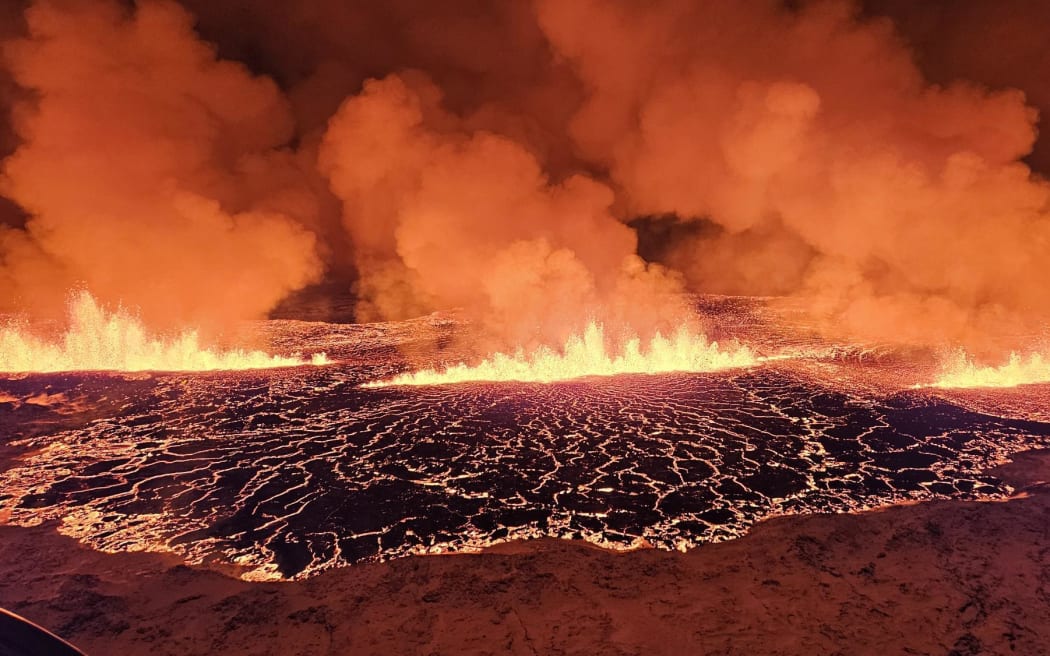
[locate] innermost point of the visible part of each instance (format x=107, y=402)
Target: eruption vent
x=587, y=355
x=97, y=340
x=962, y=371
x=533, y=165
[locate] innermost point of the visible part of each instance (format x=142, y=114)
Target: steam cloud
x=137, y=151
x=494, y=158
x=445, y=217
x=832, y=168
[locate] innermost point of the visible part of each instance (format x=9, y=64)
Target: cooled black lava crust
x=288, y=472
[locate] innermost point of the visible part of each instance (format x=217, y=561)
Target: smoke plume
x=442, y=216
x=831, y=167
x=500, y=158
x=137, y=149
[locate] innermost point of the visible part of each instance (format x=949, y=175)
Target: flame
x=97, y=340
x=962, y=371
x=586, y=355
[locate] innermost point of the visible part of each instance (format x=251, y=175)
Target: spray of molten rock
x=586, y=354
x=962, y=371
x=97, y=340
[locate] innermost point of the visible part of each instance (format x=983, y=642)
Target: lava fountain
x=962, y=371
x=586, y=354
x=97, y=340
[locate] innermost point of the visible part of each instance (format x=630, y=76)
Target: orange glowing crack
x=586, y=354
x=97, y=340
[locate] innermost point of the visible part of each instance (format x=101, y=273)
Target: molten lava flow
x=587, y=355
x=962, y=371
x=97, y=340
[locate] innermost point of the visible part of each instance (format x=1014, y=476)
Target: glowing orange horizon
x=97, y=340
x=586, y=354
x=961, y=371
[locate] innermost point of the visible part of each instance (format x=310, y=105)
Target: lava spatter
x=288, y=472
x=588, y=354
x=99, y=340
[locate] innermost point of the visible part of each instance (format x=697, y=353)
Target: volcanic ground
x=283, y=473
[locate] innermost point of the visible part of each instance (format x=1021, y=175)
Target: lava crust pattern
x=283, y=474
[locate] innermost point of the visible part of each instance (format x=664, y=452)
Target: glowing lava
x=587, y=355
x=97, y=340
x=962, y=371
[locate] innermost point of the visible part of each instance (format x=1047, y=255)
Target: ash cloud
x=496, y=157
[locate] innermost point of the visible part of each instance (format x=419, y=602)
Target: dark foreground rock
x=948, y=577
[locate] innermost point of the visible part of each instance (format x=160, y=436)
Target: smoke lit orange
x=97, y=340
x=588, y=355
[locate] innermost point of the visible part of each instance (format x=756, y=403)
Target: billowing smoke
x=496, y=157
x=442, y=216
x=138, y=153
x=1001, y=44
x=831, y=168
